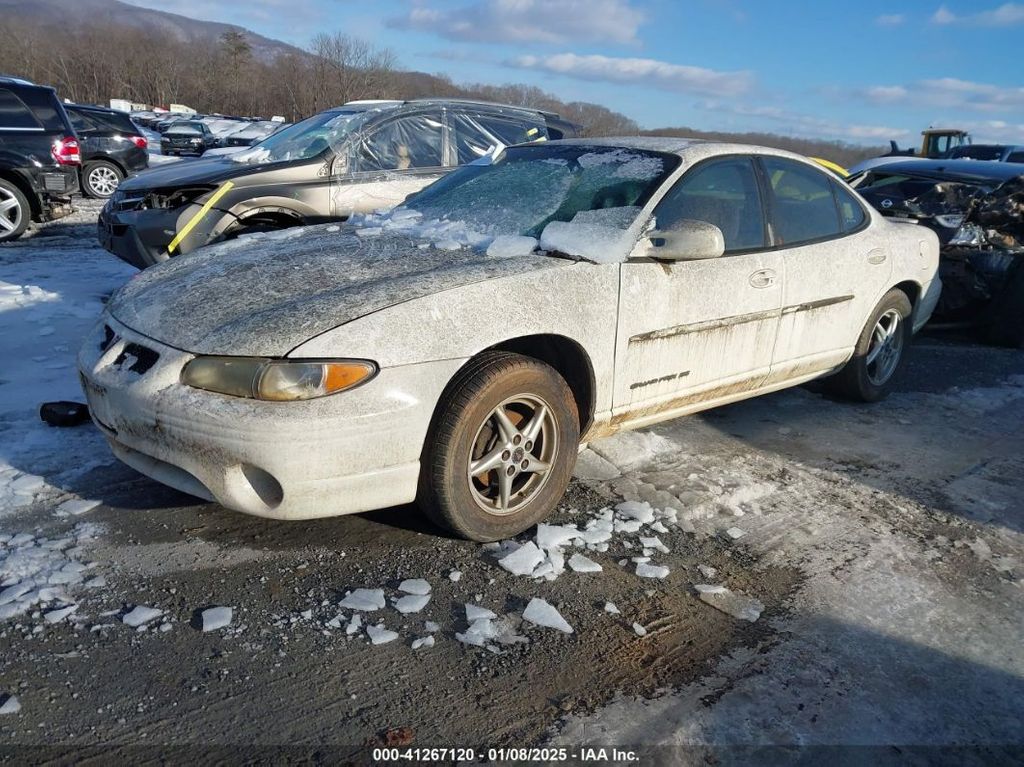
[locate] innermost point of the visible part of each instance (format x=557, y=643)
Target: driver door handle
x=763, y=278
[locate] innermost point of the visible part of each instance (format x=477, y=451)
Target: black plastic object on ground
x=64, y=413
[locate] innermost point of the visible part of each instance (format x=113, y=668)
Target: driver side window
x=720, y=192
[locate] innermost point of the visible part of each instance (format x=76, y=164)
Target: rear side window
x=720, y=192
x=1015, y=157
x=82, y=121
x=14, y=114
x=476, y=134
x=402, y=144
x=851, y=212
x=804, y=207
x=117, y=122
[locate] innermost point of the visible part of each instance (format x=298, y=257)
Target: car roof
x=94, y=108
x=959, y=170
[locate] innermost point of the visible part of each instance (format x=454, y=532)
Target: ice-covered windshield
x=305, y=140
x=191, y=129
x=529, y=187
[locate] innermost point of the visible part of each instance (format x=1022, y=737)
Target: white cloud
x=950, y=92
x=530, y=21
x=808, y=126
x=1006, y=15
x=890, y=19
x=631, y=71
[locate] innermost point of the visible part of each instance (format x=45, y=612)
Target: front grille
x=136, y=358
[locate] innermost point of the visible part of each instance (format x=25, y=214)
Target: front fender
x=578, y=302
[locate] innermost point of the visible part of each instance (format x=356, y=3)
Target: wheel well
x=26, y=189
x=912, y=290
x=278, y=218
x=108, y=160
x=569, y=359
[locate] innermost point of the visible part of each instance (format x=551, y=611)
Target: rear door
x=389, y=161
x=834, y=268
x=477, y=132
x=692, y=332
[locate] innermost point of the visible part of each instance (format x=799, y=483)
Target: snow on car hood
x=207, y=170
x=264, y=295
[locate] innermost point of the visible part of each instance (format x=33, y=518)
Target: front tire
x=100, y=179
x=15, y=212
x=502, y=448
x=880, y=351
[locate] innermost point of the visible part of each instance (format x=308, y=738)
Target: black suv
x=39, y=157
x=112, y=148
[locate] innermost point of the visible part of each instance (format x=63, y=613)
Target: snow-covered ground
x=789, y=570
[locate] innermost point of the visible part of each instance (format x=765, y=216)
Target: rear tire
x=100, y=179
x=1006, y=320
x=879, y=353
x=15, y=212
x=514, y=420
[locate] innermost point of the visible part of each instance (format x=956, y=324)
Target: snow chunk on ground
x=216, y=618
x=654, y=543
x=354, y=624
x=645, y=570
x=524, y=560
x=423, y=642
x=609, y=607
x=414, y=586
x=707, y=571
x=56, y=616
x=737, y=605
x=594, y=242
x=582, y=564
x=638, y=510
x=735, y=533
x=639, y=630
x=431, y=627
x=412, y=603
x=511, y=245
x=141, y=615
x=540, y=613
x=364, y=600
x=476, y=612
x=455, y=576
x=10, y=706
x=75, y=507
x=380, y=635
x=549, y=536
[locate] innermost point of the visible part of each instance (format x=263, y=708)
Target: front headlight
x=276, y=380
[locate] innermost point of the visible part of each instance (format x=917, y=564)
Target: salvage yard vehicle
x=458, y=349
x=977, y=210
x=39, y=157
x=989, y=152
x=112, y=148
x=187, y=137
x=354, y=159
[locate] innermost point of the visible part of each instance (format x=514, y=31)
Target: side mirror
x=688, y=240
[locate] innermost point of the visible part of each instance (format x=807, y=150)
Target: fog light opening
x=264, y=485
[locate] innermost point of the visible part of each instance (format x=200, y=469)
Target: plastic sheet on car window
x=476, y=135
x=414, y=141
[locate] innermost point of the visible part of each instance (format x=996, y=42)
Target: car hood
x=264, y=295
x=212, y=171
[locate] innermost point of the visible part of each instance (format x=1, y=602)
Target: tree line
x=92, y=64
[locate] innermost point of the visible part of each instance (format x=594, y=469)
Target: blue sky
x=862, y=71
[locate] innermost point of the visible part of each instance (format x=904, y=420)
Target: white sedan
x=458, y=350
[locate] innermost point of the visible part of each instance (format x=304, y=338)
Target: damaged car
x=354, y=159
x=457, y=350
x=977, y=210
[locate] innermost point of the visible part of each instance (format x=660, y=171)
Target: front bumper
x=348, y=453
x=141, y=237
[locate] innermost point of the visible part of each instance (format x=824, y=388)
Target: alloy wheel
x=886, y=347
x=103, y=180
x=10, y=211
x=512, y=454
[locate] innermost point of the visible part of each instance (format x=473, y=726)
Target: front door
x=388, y=163
x=692, y=332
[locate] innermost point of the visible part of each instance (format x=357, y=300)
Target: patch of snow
x=549, y=536
x=11, y=705
x=582, y=564
x=380, y=635
x=141, y=615
x=594, y=242
x=56, y=616
x=511, y=245
x=76, y=507
x=609, y=607
x=737, y=605
x=476, y=612
x=364, y=600
x=645, y=570
x=540, y=613
x=416, y=586
x=214, y=618
x=431, y=627
x=638, y=510
x=427, y=641
x=411, y=603
x=354, y=624
x=735, y=533
x=524, y=560
x=639, y=630
x=455, y=576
